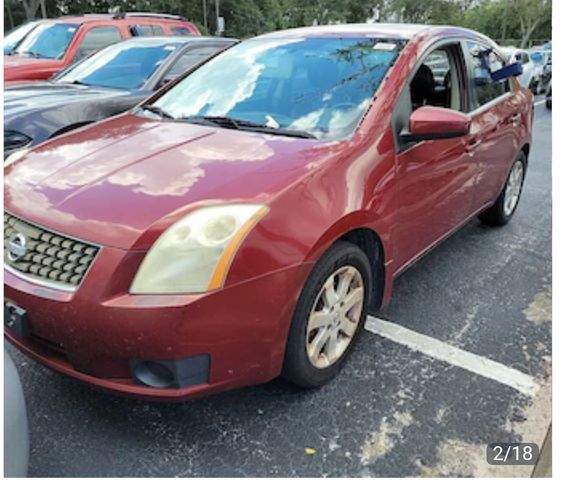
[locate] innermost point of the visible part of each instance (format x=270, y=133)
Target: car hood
x=17, y=67
x=21, y=100
x=122, y=182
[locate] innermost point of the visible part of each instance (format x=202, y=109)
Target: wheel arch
x=370, y=234
x=370, y=243
x=526, y=149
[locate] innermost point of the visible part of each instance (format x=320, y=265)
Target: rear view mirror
x=435, y=123
x=512, y=70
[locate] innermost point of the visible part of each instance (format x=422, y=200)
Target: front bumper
x=97, y=333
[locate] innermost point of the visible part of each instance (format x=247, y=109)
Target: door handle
x=515, y=119
x=472, y=145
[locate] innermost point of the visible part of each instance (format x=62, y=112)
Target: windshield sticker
x=387, y=47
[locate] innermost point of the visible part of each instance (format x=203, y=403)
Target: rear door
x=436, y=177
x=495, y=112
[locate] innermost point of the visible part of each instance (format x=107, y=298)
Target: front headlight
x=14, y=157
x=194, y=254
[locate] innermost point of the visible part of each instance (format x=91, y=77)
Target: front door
x=436, y=177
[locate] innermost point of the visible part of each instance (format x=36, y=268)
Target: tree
x=31, y=7
x=532, y=13
x=503, y=20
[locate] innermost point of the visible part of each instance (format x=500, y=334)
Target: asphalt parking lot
x=395, y=410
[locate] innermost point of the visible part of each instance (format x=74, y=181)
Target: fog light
x=154, y=374
x=180, y=373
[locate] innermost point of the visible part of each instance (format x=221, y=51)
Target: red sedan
x=241, y=223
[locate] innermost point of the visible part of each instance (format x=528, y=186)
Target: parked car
x=548, y=96
x=241, y=222
x=16, y=435
x=531, y=75
x=106, y=83
x=542, y=61
x=13, y=37
x=55, y=44
x=546, y=74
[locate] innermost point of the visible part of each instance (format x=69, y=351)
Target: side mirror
x=512, y=70
x=436, y=123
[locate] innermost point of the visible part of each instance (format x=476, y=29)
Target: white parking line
x=539, y=103
x=454, y=356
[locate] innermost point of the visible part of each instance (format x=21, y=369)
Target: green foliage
x=521, y=20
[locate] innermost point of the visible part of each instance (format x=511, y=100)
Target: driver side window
x=437, y=82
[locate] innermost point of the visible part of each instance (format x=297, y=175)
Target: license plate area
x=16, y=320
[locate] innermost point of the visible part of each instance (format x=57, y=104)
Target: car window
x=47, y=40
x=96, y=39
x=190, y=58
x=182, y=31
x=322, y=86
x=483, y=61
x=125, y=65
x=146, y=30
x=16, y=35
x=437, y=82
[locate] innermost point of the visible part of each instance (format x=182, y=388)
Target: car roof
x=96, y=17
x=403, y=31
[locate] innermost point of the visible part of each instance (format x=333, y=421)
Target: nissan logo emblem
x=17, y=247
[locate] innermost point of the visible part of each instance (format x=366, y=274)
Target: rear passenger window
x=146, y=30
x=96, y=39
x=190, y=58
x=483, y=61
x=182, y=31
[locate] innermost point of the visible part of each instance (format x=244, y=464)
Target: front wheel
x=329, y=315
x=504, y=207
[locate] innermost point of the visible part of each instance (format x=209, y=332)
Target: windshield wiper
x=156, y=110
x=31, y=54
x=74, y=82
x=238, y=124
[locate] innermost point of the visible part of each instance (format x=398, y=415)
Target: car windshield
x=321, y=86
x=126, y=65
x=16, y=35
x=47, y=40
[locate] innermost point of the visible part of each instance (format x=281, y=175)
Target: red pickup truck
x=55, y=44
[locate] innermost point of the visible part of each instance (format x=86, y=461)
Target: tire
x=298, y=366
x=548, y=104
x=497, y=215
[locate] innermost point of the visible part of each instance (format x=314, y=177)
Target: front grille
x=45, y=256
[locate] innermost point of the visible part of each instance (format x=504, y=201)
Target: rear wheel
x=502, y=210
x=329, y=316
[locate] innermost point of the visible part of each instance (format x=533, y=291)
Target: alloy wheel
x=335, y=317
x=513, y=187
